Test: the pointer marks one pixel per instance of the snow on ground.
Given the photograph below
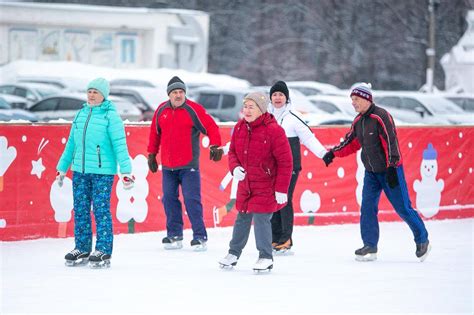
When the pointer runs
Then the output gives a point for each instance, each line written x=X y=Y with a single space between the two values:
x=321 y=277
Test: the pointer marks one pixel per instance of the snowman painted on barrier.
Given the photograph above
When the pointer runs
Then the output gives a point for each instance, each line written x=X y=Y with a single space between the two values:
x=428 y=190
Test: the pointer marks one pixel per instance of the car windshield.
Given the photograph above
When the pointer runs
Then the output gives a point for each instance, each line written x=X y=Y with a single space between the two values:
x=441 y=106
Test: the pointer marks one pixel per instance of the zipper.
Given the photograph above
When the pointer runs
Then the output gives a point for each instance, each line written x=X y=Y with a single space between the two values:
x=363 y=133
x=98 y=154
x=84 y=142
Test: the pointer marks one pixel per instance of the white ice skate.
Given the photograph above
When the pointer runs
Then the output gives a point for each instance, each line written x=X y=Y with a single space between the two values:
x=228 y=261
x=199 y=245
x=76 y=258
x=262 y=265
x=99 y=260
x=174 y=242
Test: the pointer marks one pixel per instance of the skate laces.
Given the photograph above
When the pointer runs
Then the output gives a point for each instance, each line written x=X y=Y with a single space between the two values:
x=75 y=252
x=97 y=253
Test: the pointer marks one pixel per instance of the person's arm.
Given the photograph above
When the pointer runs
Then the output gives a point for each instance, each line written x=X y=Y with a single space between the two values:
x=232 y=156
x=349 y=145
x=210 y=127
x=154 y=138
x=389 y=139
x=116 y=132
x=308 y=139
x=68 y=153
x=281 y=151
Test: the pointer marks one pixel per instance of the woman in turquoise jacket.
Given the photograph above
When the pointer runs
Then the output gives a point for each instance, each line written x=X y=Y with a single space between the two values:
x=96 y=144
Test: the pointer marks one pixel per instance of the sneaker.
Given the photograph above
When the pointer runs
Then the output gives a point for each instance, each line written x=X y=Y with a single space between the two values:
x=422 y=250
x=199 y=245
x=99 y=259
x=366 y=253
x=228 y=261
x=263 y=264
x=76 y=257
x=172 y=242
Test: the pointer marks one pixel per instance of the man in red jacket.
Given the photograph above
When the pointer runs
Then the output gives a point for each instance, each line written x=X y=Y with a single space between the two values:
x=176 y=127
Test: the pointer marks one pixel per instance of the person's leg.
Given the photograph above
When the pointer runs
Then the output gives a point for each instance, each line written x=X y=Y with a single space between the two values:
x=263 y=234
x=287 y=213
x=369 y=224
x=400 y=200
x=191 y=187
x=102 y=188
x=276 y=227
x=171 y=203
x=240 y=233
x=82 y=195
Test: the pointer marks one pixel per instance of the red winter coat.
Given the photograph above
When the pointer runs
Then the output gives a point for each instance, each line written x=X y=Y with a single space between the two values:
x=262 y=149
x=177 y=131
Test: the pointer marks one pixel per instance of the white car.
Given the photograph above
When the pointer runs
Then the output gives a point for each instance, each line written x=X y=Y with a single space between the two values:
x=65 y=106
x=465 y=101
x=314 y=88
x=7 y=113
x=425 y=108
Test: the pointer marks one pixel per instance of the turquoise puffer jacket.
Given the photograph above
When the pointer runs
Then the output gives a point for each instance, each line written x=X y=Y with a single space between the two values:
x=97 y=142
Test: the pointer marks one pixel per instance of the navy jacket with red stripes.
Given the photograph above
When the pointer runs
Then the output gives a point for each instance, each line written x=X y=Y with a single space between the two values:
x=375 y=132
x=177 y=131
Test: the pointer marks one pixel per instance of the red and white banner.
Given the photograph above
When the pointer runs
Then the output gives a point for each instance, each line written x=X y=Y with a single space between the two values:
x=438 y=163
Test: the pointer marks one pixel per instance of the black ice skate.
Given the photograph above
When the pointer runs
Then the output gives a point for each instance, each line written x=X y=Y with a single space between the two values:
x=263 y=265
x=173 y=242
x=199 y=245
x=366 y=253
x=76 y=258
x=99 y=260
x=228 y=261
x=422 y=250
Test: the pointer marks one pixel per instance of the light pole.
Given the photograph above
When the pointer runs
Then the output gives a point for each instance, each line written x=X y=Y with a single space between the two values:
x=430 y=51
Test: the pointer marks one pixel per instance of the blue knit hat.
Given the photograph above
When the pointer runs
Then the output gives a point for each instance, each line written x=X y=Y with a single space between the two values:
x=101 y=85
x=430 y=153
x=363 y=90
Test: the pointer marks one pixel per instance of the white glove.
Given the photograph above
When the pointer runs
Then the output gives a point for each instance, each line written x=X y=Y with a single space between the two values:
x=281 y=198
x=60 y=178
x=239 y=173
x=128 y=181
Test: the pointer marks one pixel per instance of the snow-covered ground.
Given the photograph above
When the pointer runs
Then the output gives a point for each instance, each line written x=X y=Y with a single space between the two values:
x=321 y=277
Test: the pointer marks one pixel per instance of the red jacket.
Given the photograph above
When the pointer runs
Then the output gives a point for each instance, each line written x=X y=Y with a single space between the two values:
x=262 y=149
x=177 y=131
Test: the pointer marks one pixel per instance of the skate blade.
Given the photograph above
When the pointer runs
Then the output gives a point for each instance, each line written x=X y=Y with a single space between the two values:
x=368 y=257
x=422 y=258
x=283 y=252
x=199 y=248
x=75 y=263
x=227 y=267
x=215 y=215
x=99 y=264
x=266 y=270
x=175 y=245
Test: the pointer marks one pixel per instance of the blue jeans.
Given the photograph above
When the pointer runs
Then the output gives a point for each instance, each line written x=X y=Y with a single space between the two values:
x=374 y=183
x=92 y=190
x=190 y=181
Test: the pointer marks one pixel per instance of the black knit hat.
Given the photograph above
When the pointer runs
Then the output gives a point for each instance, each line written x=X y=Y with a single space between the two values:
x=175 y=83
x=280 y=86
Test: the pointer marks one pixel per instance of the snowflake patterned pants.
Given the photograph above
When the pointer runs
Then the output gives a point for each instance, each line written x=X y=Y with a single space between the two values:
x=374 y=183
x=92 y=190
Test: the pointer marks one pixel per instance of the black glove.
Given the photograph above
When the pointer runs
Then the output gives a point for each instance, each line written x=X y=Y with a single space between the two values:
x=152 y=164
x=215 y=153
x=392 y=177
x=328 y=157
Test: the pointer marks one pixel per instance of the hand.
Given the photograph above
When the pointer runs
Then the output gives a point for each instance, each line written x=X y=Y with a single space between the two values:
x=328 y=157
x=239 y=173
x=281 y=198
x=128 y=181
x=60 y=178
x=152 y=164
x=392 y=177
x=216 y=153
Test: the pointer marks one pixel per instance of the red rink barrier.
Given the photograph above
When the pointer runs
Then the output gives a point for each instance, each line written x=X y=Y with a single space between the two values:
x=439 y=177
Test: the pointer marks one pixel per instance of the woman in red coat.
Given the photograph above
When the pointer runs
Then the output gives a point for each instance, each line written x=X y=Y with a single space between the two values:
x=260 y=158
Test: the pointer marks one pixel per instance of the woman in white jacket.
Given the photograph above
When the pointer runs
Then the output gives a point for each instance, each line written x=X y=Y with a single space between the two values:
x=297 y=132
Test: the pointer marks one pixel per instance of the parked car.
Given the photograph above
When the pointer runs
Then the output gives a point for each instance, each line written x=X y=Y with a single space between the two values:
x=465 y=101
x=424 y=108
x=299 y=101
x=33 y=92
x=15 y=101
x=131 y=82
x=145 y=98
x=71 y=84
x=314 y=88
x=7 y=113
x=65 y=106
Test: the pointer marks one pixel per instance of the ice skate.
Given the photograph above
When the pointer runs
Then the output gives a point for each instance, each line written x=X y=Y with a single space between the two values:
x=98 y=260
x=366 y=253
x=172 y=242
x=76 y=258
x=199 y=245
x=228 y=261
x=219 y=214
x=283 y=249
x=422 y=250
x=263 y=265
